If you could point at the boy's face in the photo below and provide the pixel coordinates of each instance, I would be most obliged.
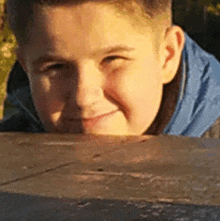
(92, 72)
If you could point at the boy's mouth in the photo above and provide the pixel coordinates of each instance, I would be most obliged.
(89, 123)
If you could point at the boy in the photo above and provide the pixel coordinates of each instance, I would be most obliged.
(108, 67)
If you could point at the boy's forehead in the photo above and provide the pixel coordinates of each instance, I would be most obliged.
(92, 25)
(87, 14)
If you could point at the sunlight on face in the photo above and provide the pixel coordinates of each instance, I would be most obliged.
(92, 72)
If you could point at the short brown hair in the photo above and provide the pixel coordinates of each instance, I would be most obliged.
(20, 12)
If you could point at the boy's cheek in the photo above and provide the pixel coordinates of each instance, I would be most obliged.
(49, 112)
(47, 99)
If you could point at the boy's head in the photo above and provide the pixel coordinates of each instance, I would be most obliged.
(96, 66)
(21, 13)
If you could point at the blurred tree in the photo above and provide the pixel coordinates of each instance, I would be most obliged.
(208, 6)
(7, 57)
(215, 9)
(199, 19)
(205, 2)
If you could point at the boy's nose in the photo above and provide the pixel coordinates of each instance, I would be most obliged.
(89, 87)
(88, 96)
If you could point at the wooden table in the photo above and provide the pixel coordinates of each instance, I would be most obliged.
(74, 177)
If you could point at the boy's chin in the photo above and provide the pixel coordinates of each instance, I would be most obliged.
(96, 131)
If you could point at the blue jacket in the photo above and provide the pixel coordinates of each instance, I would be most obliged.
(198, 105)
(197, 109)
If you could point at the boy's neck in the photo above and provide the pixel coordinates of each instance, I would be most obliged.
(168, 105)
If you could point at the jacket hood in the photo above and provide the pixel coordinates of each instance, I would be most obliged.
(19, 95)
(198, 105)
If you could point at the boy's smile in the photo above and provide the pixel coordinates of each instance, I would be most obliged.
(91, 71)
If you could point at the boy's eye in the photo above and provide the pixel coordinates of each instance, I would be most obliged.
(112, 58)
(54, 69)
(113, 62)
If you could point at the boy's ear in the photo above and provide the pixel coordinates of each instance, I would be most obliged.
(20, 58)
(172, 47)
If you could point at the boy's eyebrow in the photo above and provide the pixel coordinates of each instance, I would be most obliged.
(46, 58)
(107, 50)
(114, 49)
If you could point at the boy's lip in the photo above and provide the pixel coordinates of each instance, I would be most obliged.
(99, 115)
(85, 118)
(89, 122)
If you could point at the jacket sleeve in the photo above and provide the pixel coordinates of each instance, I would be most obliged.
(213, 131)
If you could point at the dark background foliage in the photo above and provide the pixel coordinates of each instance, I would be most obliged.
(201, 20)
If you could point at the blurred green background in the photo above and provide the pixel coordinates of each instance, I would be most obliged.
(7, 56)
(199, 18)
